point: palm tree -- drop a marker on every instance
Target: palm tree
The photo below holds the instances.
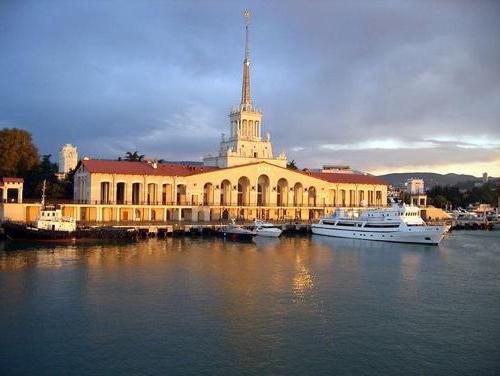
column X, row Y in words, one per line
column 135, row 156
column 291, row 165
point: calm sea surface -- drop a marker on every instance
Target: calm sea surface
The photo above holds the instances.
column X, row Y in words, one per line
column 297, row 305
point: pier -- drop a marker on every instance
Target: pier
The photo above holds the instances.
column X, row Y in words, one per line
column 185, row 228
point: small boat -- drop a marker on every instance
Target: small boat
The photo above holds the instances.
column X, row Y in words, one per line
column 236, row 233
column 266, row 229
column 400, row 224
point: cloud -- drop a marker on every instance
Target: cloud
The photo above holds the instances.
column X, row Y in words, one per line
column 384, row 144
column 346, row 82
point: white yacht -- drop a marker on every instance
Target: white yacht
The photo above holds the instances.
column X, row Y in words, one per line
column 266, row 229
column 402, row 224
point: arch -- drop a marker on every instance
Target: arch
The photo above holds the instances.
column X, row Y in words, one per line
column 200, row 216
column 105, row 198
column 181, row 194
column 121, row 192
column 136, row 193
column 152, row 193
column 137, row 215
column 166, row 194
column 342, row 198
column 352, row 197
column 244, row 128
column 225, row 192
column 370, row 198
column 243, row 191
column 208, row 194
column 282, row 192
column 361, row 197
column 311, row 196
column 263, row 190
column 333, row 197
column 13, row 195
column 298, row 194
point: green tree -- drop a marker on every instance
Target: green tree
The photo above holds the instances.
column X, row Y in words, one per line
column 18, row 154
column 55, row 188
column 133, row 157
column 439, row 201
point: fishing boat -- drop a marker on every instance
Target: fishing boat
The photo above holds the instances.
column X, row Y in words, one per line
column 267, row 229
column 398, row 223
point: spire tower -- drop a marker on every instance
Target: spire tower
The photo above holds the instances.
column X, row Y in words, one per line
column 245, row 143
column 245, row 88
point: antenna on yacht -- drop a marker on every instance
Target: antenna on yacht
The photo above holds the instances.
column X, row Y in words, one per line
column 43, row 192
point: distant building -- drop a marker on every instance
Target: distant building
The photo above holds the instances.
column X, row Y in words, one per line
column 68, row 158
column 337, row 169
column 485, row 178
column 415, row 186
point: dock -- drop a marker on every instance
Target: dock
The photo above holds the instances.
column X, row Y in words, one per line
column 183, row 228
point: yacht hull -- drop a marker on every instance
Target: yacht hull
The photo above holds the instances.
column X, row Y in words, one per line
column 271, row 233
column 428, row 235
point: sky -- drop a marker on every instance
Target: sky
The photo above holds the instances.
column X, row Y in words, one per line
column 382, row 86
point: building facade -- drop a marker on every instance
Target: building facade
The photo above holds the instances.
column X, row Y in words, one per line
column 121, row 191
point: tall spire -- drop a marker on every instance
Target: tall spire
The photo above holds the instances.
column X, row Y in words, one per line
column 245, row 89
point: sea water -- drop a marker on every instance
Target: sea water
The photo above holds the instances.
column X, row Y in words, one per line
column 290, row 306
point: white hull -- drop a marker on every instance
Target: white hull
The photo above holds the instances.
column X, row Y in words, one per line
column 424, row 235
column 271, row 233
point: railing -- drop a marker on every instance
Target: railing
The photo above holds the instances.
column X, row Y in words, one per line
column 192, row 204
column 182, row 222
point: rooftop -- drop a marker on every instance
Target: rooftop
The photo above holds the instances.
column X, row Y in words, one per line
column 175, row 169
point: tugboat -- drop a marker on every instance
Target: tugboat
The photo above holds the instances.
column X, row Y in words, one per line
column 52, row 226
column 235, row 233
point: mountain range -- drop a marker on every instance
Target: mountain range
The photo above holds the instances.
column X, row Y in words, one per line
column 430, row 179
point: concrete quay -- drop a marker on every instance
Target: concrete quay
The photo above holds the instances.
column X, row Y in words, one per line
column 185, row 228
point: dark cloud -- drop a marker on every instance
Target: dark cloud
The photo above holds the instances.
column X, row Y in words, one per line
column 161, row 77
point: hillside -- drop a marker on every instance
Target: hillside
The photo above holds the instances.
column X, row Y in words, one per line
column 430, row 179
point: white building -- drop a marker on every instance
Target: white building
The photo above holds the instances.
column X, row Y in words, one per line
column 415, row 186
column 68, row 158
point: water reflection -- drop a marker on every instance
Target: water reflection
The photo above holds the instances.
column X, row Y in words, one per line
column 303, row 279
column 278, row 306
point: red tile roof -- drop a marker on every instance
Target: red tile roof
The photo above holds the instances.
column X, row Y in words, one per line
column 11, row 180
column 142, row 168
column 171, row 169
column 347, row 178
